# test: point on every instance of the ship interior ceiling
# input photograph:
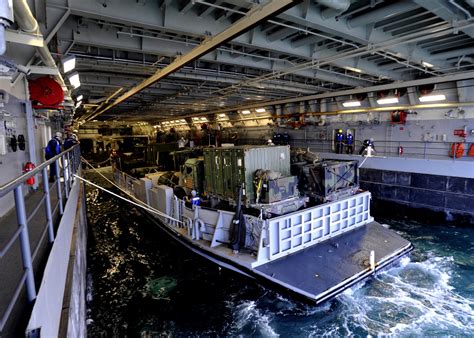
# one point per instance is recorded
(222, 119)
(309, 48)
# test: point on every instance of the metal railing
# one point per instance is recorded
(409, 149)
(66, 164)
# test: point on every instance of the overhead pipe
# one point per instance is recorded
(27, 22)
(6, 18)
(335, 7)
(382, 13)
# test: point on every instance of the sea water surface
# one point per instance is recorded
(142, 283)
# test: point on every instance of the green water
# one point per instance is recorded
(140, 282)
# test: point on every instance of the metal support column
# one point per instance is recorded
(65, 176)
(25, 243)
(47, 205)
(58, 185)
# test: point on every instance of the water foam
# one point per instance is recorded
(414, 298)
(248, 319)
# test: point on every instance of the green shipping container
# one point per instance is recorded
(234, 167)
(209, 180)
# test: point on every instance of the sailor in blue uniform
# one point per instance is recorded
(195, 200)
(52, 149)
(349, 142)
(339, 139)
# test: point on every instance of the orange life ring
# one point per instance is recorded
(457, 150)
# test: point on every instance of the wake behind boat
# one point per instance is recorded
(285, 218)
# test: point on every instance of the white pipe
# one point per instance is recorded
(3, 43)
(23, 16)
(338, 5)
(27, 22)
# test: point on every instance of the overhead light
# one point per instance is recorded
(222, 115)
(351, 103)
(69, 63)
(432, 98)
(74, 79)
(78, 104)
(357, 70)
(260, 110)
(80, 97)
(245, 112)
(426, 64)
(387, 100)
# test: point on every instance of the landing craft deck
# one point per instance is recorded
(314, 253)
(324, 270)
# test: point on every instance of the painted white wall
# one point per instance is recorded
(11, 164)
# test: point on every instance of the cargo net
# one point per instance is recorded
(254, 227)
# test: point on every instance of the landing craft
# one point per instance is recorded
(285, 218)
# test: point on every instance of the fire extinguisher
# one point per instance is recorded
(29, 167)
(400, 151)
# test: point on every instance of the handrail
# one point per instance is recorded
(70, 163)
(6, 188)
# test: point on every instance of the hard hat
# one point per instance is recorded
(59, 134)
(340, 130)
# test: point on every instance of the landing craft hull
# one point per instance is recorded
(314, 273)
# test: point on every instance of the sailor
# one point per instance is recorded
(195, 200)
(52, 149)
(182, 142)
(339, 139)
(71, 140)
(115, 160)
(367, 147)
(349, 142)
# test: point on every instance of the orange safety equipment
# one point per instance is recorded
(471, 150)
(457, 150)
(29, 167)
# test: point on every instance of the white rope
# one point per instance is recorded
(143, 205)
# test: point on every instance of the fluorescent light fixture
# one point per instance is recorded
(69, 63)
(245, 112)
(260, 110)
(357, 70)
(351, 103)
(80, 97)
(387, 100)
(426, 64)
(74, 79)
(432, 98)
(222, 115)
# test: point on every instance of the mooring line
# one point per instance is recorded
(146, 207)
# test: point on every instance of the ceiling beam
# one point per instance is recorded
(253, 17)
